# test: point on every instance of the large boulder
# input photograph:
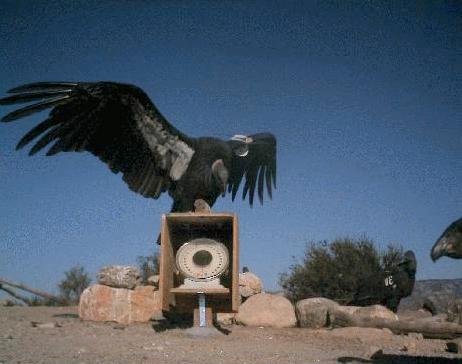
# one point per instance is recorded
(119, 276)
(314, 312)
(249, 284)
(442, 317)
(376, 312)
(413, 315)
(103, 303)
(267, 310)
(354, 315)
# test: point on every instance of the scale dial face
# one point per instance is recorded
(202, 259)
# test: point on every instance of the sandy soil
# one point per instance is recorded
(75, 341)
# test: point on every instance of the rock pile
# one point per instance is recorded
(321, 312)
(315, 312)
(249, 285)
(119, 276)
(119, 297)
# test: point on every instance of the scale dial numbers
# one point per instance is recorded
(202, 259)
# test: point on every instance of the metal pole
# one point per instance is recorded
(202, 320)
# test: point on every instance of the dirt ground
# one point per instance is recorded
(66, 339)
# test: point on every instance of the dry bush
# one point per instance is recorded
(340, 270)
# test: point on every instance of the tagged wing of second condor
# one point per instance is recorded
(116, 122)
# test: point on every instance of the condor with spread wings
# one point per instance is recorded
(121, 126)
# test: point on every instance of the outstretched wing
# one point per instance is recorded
(254, 157)
(115, 122)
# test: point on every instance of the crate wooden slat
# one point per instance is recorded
(214, 291)
(166, 267)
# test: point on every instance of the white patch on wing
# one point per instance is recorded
(169, 152)
(181, 163)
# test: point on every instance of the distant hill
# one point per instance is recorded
(440, 291)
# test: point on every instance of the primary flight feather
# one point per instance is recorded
(120, 125)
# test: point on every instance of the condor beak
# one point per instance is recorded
(220, 175)
(439, 249)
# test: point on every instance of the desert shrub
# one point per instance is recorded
(42, 301)
(392, 257)
(148, 266)
(74, 283)
(339, 270)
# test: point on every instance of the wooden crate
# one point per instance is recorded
(179, 228)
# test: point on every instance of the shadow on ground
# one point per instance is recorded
(66, 315)
(400, 359)
(172, 321)
(180, 321)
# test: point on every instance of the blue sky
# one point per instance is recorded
(364, 98)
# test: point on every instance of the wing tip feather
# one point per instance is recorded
(41, 85)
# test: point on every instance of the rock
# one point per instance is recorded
(119, 276)
(249, 284)
(415, 336)
(376, 311)
(314, 312)
(103, 303)
(267, 310)
(442, 317)
(144, 302)
(154, 280)
(342, 315)
(454, 346)
(409, 315)
(45, 325)
(350, 310)
(387, 331)
(373, 352)
(410, 347)
(225, 318)
(355, 316)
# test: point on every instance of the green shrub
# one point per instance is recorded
(339, 270)
(74, 283)
(41, 301)
(148, 266)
